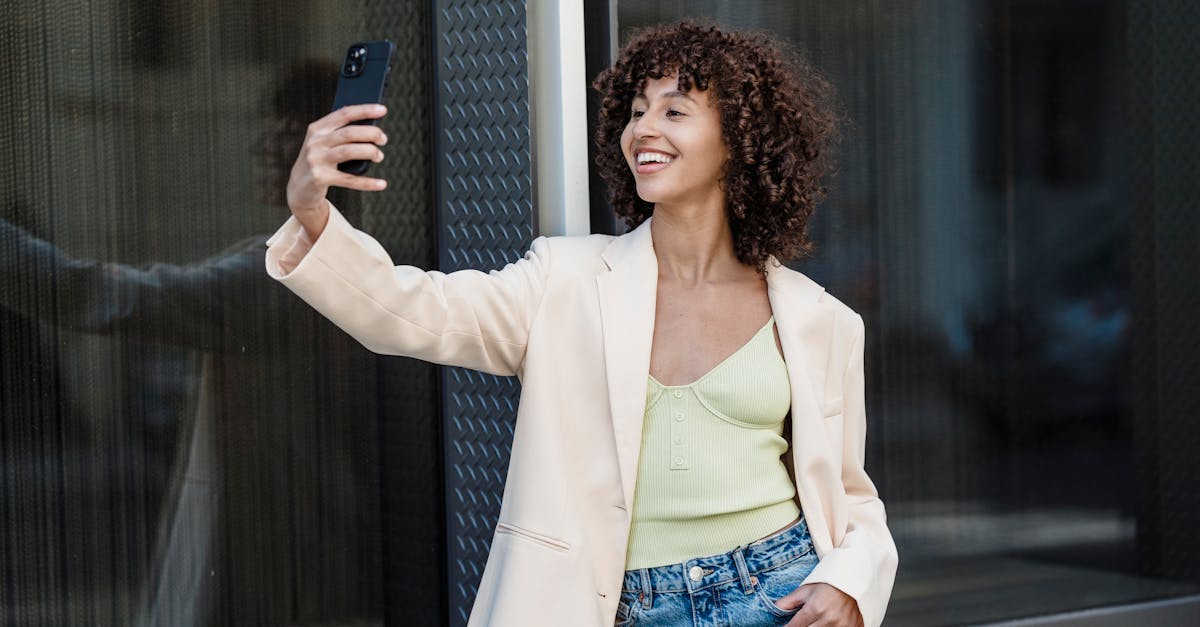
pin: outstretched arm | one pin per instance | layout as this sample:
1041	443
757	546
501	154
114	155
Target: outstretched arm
468	318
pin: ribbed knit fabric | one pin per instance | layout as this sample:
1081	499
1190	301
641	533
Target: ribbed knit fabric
710	476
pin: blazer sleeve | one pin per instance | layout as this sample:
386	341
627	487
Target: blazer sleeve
468	318
863	564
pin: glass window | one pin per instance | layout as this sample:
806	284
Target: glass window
183	441
989	221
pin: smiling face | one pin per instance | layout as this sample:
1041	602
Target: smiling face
673	146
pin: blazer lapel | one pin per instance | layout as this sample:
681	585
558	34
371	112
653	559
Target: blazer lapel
803	322
628	293
798	318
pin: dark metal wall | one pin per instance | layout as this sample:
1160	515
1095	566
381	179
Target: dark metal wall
404	220
598	52
1164	132
485	220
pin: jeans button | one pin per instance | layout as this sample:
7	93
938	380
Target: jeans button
696	573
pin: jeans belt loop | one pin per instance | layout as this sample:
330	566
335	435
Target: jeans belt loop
647	589
739	559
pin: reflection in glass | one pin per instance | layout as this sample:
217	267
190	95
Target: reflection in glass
980	222
182	441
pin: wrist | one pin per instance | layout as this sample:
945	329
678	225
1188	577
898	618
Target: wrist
313	219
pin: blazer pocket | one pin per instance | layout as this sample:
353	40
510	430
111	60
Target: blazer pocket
544	541
833	407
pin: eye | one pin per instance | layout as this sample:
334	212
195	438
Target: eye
637	113
672	113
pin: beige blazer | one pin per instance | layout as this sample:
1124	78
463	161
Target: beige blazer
573	320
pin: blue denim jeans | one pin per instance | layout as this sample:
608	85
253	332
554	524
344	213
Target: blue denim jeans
736	588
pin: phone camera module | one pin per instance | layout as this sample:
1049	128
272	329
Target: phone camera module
356	60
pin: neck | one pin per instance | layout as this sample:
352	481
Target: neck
694	245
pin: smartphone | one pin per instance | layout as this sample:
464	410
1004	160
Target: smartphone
362	79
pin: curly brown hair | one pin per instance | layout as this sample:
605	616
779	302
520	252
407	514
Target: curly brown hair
777	120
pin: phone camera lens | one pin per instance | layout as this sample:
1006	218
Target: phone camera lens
355	61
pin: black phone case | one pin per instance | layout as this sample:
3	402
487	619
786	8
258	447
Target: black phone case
361	81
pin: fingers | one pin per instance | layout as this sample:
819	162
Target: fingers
331	140
316	171
824	605
360	133
360	183
352	152
322	136
796	598
317	166
325	147
807	619
347	115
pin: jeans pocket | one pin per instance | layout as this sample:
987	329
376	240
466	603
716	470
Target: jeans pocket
773	607
773	584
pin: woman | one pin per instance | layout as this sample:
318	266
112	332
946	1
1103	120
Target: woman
649	479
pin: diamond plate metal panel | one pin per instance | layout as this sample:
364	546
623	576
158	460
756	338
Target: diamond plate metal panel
485	215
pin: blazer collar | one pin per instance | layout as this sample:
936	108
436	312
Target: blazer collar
785	286
628	294
636	248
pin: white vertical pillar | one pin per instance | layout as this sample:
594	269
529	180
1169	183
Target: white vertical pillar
558	93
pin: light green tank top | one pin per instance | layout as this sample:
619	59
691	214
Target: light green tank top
710	475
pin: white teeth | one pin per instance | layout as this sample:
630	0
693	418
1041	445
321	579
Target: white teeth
647	157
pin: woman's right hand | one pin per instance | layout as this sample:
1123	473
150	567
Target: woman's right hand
330	141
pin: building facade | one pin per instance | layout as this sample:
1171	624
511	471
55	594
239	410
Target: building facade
184	442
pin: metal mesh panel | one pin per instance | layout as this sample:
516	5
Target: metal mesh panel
188	443
485	213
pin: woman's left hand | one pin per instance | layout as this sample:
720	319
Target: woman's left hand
823	605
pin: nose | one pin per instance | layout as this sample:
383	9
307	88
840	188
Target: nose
644	127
